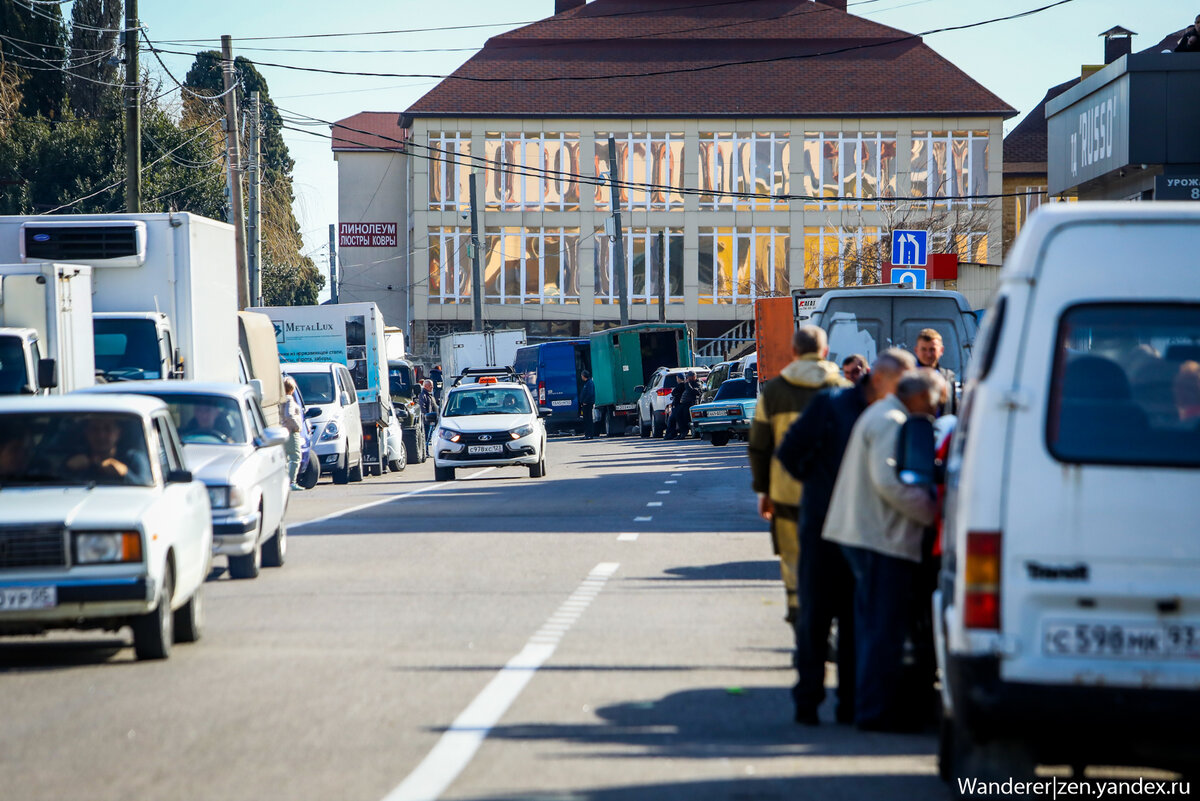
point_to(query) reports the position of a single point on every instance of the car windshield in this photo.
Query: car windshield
(1126, 385)
(13, 379)
(736, 389)
(73, 448)
(126, 349)
(501, 400)
(207, 419)
(314, 387)
(400, 380)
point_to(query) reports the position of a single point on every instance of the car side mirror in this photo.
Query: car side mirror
(273, 435)
(431, 417)
(545, 411)
(179, 477)
(639, 389)
(256, 384)
(916, 462)
(344, 398)
(47, 373)
(312, 411)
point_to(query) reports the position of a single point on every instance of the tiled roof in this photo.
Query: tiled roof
(369, 130)
(1026, 144)
(793, 58)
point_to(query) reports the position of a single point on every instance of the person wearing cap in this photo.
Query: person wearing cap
(685, 395)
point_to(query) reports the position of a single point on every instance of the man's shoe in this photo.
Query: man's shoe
(790, 617)
(808, 717)
(296, 488)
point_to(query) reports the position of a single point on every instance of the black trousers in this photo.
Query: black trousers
(589, 425)
(825, 587)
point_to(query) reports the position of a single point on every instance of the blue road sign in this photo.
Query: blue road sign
(909, 275)
(910, 248)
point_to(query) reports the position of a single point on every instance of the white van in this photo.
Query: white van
(1068, 608)
(336, 424)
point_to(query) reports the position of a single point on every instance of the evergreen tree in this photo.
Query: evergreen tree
(36, 44)
(95, 27)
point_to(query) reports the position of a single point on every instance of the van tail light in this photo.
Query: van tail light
(541, 393)
(982, 610)
(662, 393)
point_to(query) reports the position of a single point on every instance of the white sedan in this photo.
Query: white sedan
(488, 424)
(229, 447)
(101, 524)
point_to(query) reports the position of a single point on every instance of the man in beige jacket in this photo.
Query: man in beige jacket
(879, 523)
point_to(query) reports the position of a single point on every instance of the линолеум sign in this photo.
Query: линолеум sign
(367, 235)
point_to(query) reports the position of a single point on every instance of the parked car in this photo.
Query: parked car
(228, 445)
(489, 423)
(1068, 612)
(719, 375)
(655, 397)
(101, 524)
(329, 390)
(728, 415)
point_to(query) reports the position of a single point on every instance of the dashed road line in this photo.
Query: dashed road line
(671, 482)
(663, 492)
(655, 503)
(643, 519)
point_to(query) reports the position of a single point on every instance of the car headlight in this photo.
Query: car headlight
(226, 497)
(449, 434)
(101, 547)
(330, 432)
(522, 431)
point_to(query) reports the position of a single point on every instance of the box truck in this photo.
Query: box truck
(45, 328)
(623, 360)
(479, 349)
(164, 288)
(351, 334)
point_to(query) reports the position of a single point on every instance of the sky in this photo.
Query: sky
(1018, 60)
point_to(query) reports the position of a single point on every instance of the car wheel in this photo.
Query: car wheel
(538, 470)
(356, 472)
(720, 438)
(614, 426)
(995, 760)
(249, 565)
(341, 473)
(645, 428)
(154, 632)
(401, 460)
(657, 429)
(312, 473)
(274, 550)
(189, 618)
(443, 473)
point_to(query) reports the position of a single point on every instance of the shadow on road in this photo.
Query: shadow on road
(764, 570)
(57, 655)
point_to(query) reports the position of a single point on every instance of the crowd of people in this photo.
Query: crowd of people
(855, 544)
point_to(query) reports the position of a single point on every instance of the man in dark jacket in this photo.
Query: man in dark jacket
(428, 405)
(587, 402)
(1190, 41)
(811, 452)
(929, 352)
(684, 396)
(435, 375)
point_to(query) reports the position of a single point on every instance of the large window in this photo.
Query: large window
(654, 161)
(858, 166)
(532, 172)
(531, 265)
(1126, 385)
(950, 165)
(449, 265)
(641, 273)
(449, 166)
(738, 265)
(841, 257)
(744, 170)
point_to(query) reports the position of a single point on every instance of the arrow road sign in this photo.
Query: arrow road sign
(909, 275)
(910, 248)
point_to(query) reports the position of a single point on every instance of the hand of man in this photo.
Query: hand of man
(765, 508)
(114, 466)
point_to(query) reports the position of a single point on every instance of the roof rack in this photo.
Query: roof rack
(471, 375)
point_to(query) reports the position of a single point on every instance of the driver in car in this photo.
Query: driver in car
(104, 460)
(204, 424)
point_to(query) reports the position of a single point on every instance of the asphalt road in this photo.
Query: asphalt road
(498, 637)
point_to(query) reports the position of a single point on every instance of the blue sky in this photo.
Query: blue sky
(1018, 60)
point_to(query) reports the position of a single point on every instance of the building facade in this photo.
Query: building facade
(759, 177)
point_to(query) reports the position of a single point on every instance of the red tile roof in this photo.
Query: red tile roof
(796, 58)
(369, 130)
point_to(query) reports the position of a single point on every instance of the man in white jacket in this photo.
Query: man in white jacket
(879, 524)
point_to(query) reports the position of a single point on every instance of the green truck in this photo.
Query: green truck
(624, 359)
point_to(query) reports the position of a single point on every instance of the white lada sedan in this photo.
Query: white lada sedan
(489, 424)
(101, 524)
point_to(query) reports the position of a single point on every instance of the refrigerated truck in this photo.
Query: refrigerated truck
(345, 333)
(164, 288)
(479, 349)
(45, 328)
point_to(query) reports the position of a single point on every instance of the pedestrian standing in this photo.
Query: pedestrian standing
(855, 367)
(428, 405)
(435, 375)
(880, 524)
(684, 396)
(929, 352)
(780, 403)
(292, 417)
(812, 452)
(587, 403)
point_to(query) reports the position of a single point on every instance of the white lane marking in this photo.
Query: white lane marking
(643, 519)
(655, 503)
(381, 501)
(628, 536)
(458, 744)
(663, 492)
(677, 474)
(670, 482)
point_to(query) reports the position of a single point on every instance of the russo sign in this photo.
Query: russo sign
(1090, 137)
(367, 235)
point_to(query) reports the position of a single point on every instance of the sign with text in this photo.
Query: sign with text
(1177, 187)
(367, 235)
(1090, 137)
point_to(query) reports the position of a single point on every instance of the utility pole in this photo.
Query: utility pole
(333, 278)
(254, 185)
(233, 155)
(614, 177)
(476, 269)
(133, 113)
(660, 271)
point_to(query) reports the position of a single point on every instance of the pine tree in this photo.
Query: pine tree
(36, 44)
(95, 27)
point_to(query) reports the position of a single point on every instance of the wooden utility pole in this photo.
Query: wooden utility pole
(476, 269)
(233, 155)
(254, 186)
(614, 177)
(333, 276)
(660, 271)
(133, 113)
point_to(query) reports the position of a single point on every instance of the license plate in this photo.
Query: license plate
(624, 407)
(560, 403)
(485, 449)
(1122, 640)
(716, 413)
(14, 598)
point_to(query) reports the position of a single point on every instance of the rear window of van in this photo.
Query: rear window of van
(1126, 385)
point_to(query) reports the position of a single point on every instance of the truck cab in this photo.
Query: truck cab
(45, 329)
(23, 371)
(135, 346)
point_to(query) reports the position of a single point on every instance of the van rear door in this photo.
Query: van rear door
(1099, 541)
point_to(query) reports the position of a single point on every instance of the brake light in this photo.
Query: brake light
(541, 393)
(982, 602)
(662, 393)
